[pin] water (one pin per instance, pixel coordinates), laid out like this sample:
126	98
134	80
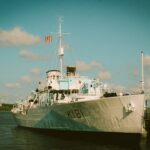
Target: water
16	138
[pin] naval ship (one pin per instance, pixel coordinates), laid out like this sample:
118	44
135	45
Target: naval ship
77	103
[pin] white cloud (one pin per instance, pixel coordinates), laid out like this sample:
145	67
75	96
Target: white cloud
26	79
83	66
67	47
104	75
11	96
30	55
95	64
117	88
147	71
17	37
3	95
147	80
135	72
35	71
147	60
148	83
12	85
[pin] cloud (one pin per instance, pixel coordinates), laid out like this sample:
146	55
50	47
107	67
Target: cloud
17	37
147	71
12	85
147	60
30	55
147	84
68	47
10	96
95	64
147	77
104	75
117	88
26	79
4	97
83	66
135	72
35	71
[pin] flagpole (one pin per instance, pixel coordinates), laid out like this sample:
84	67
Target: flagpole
142	75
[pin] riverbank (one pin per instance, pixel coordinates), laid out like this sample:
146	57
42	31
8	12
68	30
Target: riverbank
6	107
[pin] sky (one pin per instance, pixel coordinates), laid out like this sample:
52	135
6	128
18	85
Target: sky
105	41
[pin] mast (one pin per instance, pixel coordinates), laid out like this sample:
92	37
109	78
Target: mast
142	73
60	50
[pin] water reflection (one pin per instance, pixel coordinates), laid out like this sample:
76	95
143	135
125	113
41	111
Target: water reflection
36	140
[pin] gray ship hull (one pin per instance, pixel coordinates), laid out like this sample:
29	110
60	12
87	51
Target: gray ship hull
103	115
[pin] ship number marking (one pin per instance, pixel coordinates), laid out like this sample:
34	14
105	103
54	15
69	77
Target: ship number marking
76	113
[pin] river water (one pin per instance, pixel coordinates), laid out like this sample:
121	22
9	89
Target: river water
17	138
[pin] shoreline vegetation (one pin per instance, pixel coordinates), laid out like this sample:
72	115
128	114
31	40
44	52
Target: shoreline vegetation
6	107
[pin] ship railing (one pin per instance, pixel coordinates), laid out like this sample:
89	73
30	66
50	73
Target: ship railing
77	98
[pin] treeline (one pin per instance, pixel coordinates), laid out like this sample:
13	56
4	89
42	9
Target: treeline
6	107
